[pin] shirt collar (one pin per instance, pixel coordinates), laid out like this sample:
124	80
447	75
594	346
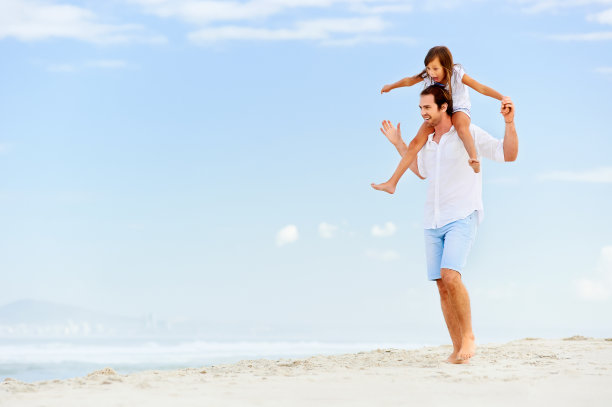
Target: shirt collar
444	136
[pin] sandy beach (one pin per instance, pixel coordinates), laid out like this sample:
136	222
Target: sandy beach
574	371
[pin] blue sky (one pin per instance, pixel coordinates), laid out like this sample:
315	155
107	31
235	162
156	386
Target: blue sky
212	160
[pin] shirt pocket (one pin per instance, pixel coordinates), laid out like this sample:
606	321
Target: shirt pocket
428	160
454	149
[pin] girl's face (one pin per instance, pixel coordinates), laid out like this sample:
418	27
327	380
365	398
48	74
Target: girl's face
436	71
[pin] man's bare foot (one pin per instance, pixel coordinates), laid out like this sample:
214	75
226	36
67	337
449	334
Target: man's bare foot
385	186
475	164
468	348
453	358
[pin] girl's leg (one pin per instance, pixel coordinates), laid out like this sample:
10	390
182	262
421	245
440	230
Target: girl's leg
408	154
461	121
421	136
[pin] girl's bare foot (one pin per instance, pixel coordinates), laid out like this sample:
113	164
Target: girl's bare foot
385	186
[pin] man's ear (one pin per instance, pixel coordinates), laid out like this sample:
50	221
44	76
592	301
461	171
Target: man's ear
444	107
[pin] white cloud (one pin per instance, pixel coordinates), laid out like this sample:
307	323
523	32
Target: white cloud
327	231
288	234
438	5
204	12
383	255
591	290
388	229
600	288
367	39
594	36
208	12
606	70
599	175
380	9
99	64
345	19
28	20
603	17
108	64
538	6
320	29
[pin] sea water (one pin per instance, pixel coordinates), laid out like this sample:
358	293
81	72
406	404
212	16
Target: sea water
42	359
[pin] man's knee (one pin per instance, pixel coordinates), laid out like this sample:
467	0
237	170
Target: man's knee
450	278
441	287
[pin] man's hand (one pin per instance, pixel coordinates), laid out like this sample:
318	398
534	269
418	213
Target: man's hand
394	135
386	89
510	136
507	109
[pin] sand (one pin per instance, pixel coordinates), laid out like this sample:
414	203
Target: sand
573	371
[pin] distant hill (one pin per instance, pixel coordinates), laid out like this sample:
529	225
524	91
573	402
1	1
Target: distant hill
31	318
35	312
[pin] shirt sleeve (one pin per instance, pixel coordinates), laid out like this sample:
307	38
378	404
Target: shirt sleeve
421	164
486	145
459	71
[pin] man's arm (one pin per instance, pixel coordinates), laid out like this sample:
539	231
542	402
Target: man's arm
510	136
402	149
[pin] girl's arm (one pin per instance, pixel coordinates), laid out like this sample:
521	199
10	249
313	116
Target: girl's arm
480	88
407	81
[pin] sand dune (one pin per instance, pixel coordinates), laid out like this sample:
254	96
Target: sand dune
573	371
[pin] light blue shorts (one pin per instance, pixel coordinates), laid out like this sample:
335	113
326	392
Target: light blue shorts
448	247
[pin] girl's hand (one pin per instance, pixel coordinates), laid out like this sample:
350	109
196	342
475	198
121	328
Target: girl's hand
507	109
475	164
394	135
385	89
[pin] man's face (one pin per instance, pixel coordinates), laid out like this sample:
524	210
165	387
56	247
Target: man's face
430	111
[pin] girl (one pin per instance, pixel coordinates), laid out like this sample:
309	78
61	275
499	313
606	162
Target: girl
440	70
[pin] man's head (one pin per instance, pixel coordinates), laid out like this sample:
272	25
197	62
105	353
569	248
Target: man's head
435	104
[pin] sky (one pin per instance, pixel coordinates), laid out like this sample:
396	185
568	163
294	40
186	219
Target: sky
212	160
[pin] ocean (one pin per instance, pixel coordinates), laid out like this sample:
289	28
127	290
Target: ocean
32	360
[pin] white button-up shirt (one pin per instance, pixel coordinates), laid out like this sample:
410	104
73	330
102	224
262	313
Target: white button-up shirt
454	191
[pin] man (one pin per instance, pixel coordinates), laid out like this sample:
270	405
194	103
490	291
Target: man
453	207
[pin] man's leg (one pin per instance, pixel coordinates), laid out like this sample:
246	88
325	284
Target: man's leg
451	321
460	302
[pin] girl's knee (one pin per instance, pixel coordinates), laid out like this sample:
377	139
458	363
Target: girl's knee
460	119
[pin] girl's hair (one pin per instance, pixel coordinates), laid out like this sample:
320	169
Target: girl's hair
446	60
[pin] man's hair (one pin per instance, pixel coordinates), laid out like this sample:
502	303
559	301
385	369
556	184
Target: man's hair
441	97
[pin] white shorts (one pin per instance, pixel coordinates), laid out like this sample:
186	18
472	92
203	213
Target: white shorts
462	109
